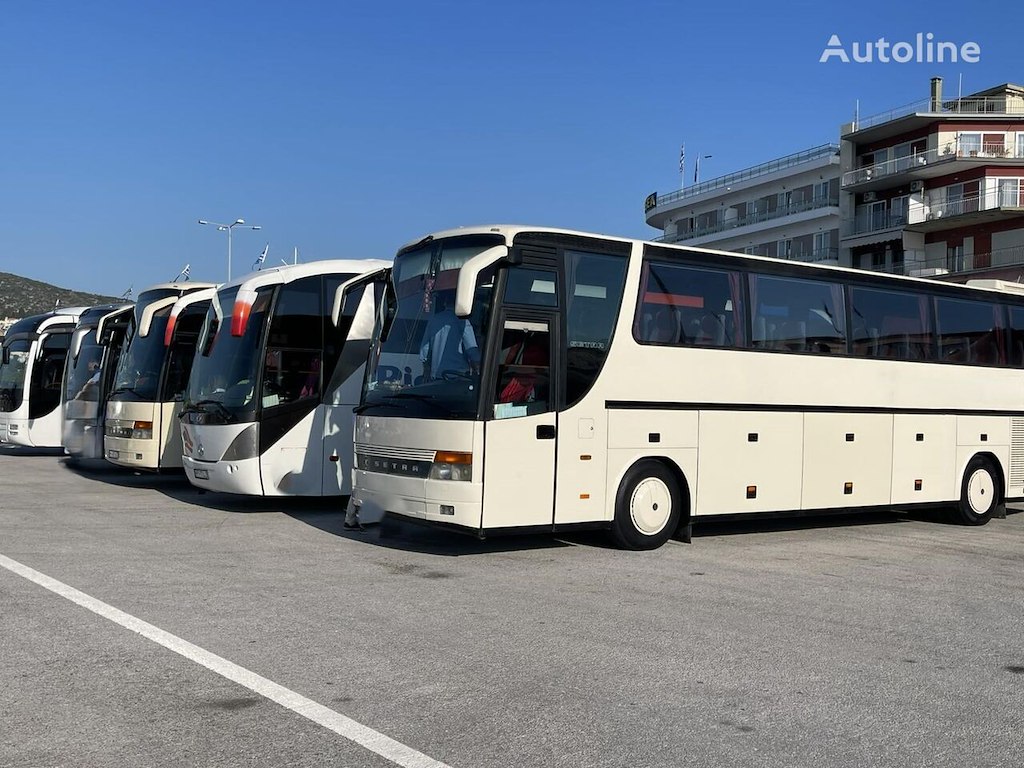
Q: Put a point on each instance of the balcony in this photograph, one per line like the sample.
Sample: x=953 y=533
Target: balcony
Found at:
x=932 y=217
x=915 y=264
x=923 y=165
x=756 y=218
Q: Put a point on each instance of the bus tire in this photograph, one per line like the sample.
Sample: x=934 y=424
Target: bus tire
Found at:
x=648 y=506
x=980 y=492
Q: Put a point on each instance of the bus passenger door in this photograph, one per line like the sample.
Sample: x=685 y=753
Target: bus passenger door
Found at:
x=520 y=435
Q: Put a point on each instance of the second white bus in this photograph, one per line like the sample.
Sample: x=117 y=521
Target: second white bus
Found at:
x=268 y=410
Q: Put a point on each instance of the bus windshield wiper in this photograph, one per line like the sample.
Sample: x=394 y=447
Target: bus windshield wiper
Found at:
x=219 y=408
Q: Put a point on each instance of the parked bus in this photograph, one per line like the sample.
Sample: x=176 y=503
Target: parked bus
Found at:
x=643 y=387
x=31 y=373
x=268 y=410
x=95 y=348
x=141 y=429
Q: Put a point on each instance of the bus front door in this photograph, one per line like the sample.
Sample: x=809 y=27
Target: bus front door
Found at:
x=520 y=437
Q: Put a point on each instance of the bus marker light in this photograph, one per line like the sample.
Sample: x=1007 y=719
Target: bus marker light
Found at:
x=751 y=491
x=585 y=457
x=848 y=488
x=584 y=495
x=453 y=457
x=918 y=485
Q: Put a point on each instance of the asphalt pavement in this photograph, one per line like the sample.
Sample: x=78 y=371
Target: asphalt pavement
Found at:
x=860 y=640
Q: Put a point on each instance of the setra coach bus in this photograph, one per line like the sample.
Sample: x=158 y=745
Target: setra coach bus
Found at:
x=643 y=387
x=141 y=429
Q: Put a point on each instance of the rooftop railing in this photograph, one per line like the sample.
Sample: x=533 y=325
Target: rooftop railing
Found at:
x=987 y=105
x=772 y=166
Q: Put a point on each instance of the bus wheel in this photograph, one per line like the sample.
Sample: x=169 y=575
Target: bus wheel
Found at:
x=979 y=492
x=647 y=506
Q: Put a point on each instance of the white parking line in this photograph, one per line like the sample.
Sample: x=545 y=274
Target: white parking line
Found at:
x=386 y=747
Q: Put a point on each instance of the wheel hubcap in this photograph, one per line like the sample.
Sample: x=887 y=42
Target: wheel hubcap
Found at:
x=650 y=506
x=981 y=491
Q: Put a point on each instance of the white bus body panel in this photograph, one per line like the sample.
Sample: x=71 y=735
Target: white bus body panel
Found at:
x=83 y=435
x=377 y=492
x=45 y=432
x=162 y=451
x=299 y=464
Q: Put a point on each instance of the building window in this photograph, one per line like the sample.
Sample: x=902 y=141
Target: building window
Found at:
x=1020 y=144
x=970 y=144
x=1010 y=193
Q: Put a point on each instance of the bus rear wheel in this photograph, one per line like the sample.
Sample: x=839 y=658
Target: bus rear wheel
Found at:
x=648 y=506
x=979 y=492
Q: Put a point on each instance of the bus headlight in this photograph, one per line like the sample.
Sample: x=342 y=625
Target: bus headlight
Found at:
x=142 y=430
x=452 y=465
x=244 y=446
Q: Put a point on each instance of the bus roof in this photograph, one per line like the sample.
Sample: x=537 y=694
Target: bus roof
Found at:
x=511 y=231
x=287 y=273
x=34 y=324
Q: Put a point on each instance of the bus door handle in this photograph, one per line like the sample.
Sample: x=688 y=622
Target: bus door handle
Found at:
x=545 y=431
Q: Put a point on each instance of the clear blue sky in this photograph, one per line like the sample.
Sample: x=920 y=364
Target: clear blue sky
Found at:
x=348 y=128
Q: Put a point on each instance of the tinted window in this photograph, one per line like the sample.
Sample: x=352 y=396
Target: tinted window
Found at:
x=531 y=286
x=969 y=332
x=594 y=295
x=1016 y=334
x=797 y=315
x=683 y=305
x=891 y=324
x=292 y=363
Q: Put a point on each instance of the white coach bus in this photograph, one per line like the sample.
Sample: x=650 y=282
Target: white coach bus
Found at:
x=268 y=409
x=31 y=374
x=141 y=429
x=643 y=387
x=88 y=376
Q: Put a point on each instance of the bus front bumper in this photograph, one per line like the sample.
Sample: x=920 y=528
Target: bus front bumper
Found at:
x=126 y=452
x=242 y=477
x=450 y=502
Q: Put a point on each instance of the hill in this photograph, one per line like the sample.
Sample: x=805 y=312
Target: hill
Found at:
x=20 y=297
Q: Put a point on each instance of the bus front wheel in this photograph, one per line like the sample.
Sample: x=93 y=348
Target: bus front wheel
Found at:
x=979 y=492
x=648 y=506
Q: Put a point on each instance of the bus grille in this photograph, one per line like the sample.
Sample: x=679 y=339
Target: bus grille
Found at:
x=387 y=452
x=1016 y=452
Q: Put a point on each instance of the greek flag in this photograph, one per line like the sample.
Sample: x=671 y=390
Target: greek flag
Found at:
x=186 y=271
x=682 y=157
x=262 y=257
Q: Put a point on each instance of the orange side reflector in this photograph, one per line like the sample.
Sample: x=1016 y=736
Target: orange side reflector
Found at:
x=453 y=457
x=585 y=457
x=751 y=491
x=918 y=485
x=584 y=495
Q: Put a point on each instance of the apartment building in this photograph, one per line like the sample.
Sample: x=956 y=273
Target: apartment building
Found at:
x=936 y=188
x=786 y=208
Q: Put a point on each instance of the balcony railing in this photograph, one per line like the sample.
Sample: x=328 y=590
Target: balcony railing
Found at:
x=756 y=218
x=988 y=105
x=916 y=264
x=930 y=157
x=869 y=221
x=772 y=166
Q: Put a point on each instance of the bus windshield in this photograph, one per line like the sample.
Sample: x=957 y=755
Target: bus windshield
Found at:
x=138 y=372
x=226 y=368
x=425 y=361
x=12 y=374
x=83 y=372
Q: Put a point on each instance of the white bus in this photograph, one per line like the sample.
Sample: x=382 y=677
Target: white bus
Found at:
x=141 y=429
x=88 y=375
x=31 y=373
x=268 y=410
x=643 y=387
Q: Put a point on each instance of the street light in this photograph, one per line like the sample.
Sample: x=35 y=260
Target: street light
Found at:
x=227 y=228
